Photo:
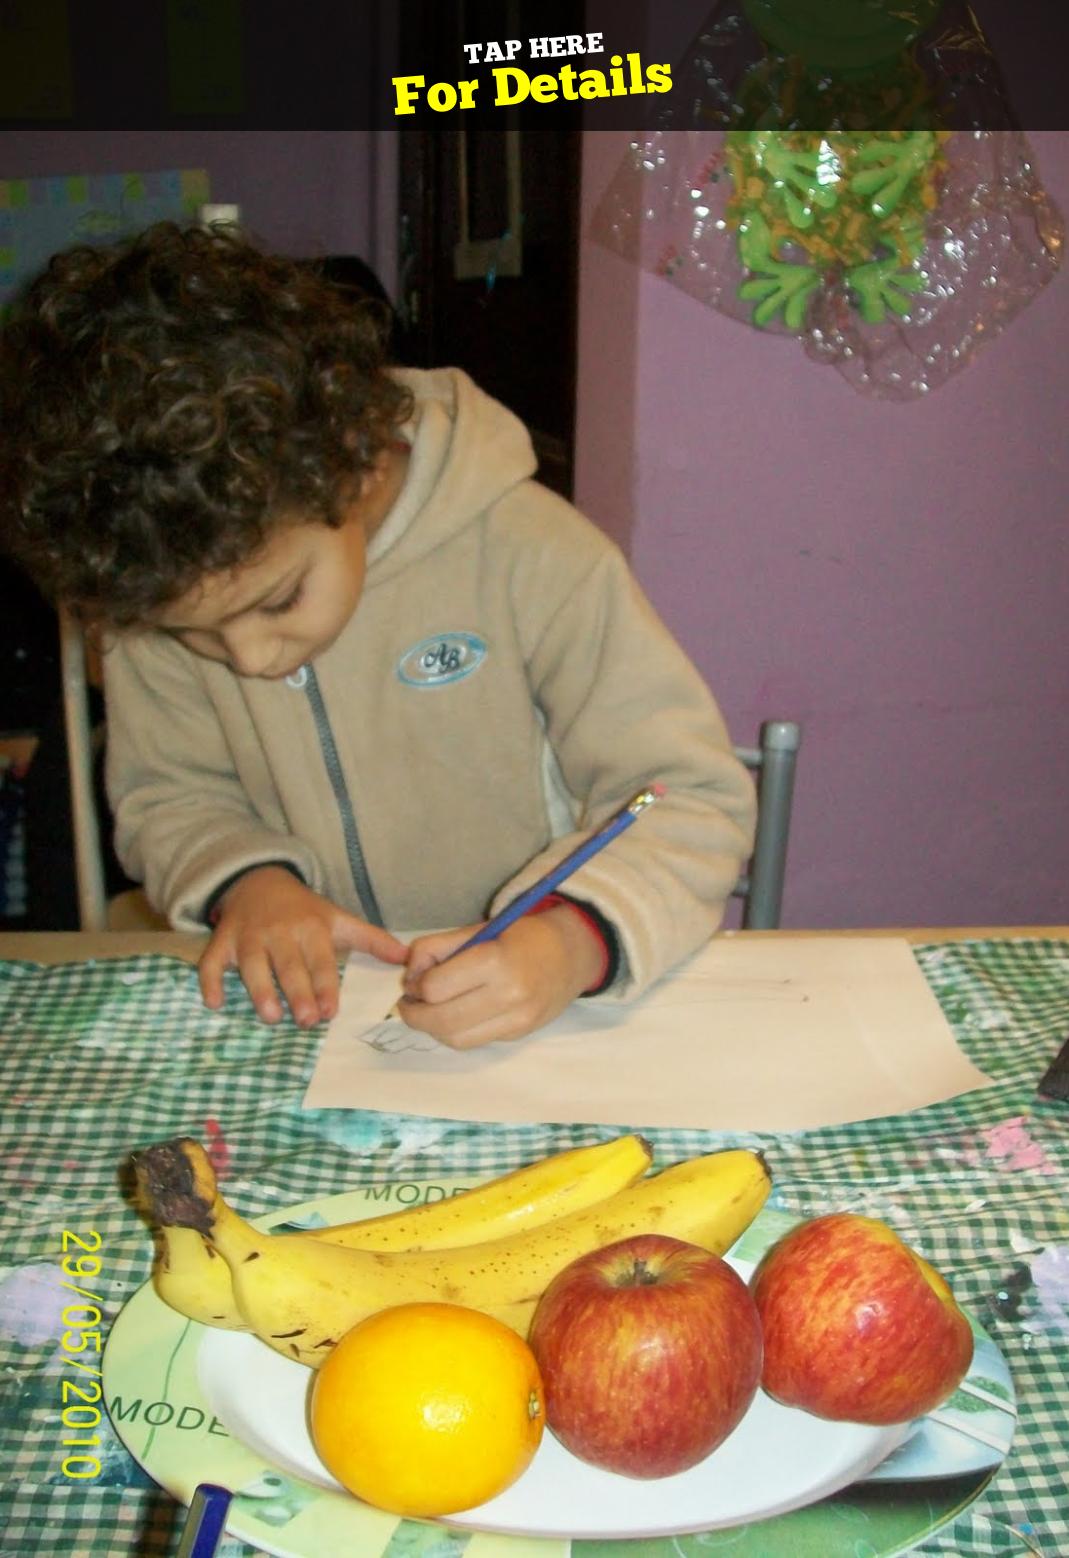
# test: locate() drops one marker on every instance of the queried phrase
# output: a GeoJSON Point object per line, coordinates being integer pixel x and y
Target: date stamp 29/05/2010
{"type": "Point", "coordinates": [81, 1347]}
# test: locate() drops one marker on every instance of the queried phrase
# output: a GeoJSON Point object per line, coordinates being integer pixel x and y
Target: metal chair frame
{"type": "Point", "coordinates": [88, 857]}
{"type": "Point", "coordinates": [773, 763]}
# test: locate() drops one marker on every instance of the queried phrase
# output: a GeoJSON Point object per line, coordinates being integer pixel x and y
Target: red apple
{"type": "Point", "coordinates": [857, 1326]}
{"type": "Point", "coordinates": [650, 1352]}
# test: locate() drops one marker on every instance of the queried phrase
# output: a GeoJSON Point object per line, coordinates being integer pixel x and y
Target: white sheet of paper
{"type": "Point", "coordinates": [761, 1035]}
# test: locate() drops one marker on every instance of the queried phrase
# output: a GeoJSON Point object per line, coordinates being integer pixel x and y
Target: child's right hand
{"type": "Point", "coordinates": [273, 928]}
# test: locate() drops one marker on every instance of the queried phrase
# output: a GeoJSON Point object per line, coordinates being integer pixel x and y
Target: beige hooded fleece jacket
{"type": "Point", "coordinates": [501, 689]}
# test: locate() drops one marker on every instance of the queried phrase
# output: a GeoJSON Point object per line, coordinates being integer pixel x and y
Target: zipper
{"type": "Point", "coordinates": [365, 893]}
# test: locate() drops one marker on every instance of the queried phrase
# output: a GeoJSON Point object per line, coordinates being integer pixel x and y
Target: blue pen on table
{"type": "Point", "coordinates": [559, 873]}
{"type": "Point", "coordinates": [205, 1522]}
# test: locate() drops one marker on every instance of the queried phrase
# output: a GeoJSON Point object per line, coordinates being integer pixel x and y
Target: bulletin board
{"type": "Point", "coordinates": [39, 217]}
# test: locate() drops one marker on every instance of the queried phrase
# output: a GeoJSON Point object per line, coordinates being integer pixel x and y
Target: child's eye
{"type": "Point", "coordinates": [277, 608]}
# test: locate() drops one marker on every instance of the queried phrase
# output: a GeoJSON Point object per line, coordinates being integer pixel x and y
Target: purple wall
{"type": "Point", "coordinates": [894, 576]}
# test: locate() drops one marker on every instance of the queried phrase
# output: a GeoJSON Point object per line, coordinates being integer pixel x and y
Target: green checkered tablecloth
{"type": "Point", "coordinates": [104, 1057]}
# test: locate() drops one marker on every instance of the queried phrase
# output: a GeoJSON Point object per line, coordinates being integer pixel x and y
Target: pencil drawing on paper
{"type": "Point", "coordinates": [394, 1038]}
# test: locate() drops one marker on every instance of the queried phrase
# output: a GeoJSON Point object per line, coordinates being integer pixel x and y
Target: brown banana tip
{"type": "Point", "coordinates": [166, 1179]}
{"type": "Point", "coordinates": [758, 1153]}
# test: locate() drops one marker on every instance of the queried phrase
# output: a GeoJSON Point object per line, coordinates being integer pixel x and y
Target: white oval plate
{"type": "Point", "coordinates": [193, 1404]}
{"type": "Point", "coordinates": [777, 1459]}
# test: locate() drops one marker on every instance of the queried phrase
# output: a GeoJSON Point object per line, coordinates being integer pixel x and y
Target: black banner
{"type": "Point", "coordinates": [532, 64]}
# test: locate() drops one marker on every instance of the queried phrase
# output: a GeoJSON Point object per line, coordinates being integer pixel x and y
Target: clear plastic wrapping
{"type": "Point", "coordinates": [893, 255]}
{"type": "Point", "coordinates": [840, 65]}
{"type": "Point", "coordinates": [894, 242]}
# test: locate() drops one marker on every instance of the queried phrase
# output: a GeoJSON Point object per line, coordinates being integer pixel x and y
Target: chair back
{"type": "Point", "coordinates": [773, 764]}
{"type": "Point", "coordinates": [88, 858]}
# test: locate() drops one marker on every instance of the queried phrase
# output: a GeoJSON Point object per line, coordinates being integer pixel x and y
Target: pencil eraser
{"type": "Point", "coordinates": [658, 790]}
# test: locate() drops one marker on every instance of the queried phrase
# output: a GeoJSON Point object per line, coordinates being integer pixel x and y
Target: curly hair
{"type": "Point", "coordinates": [167, 402]}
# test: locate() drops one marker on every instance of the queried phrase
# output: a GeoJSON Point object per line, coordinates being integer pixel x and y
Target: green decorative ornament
{"type": "Point", "coordinates": [801, 179]}
{"type": "Point", "coordinates": [819, 207]}
{"type": "Point", "coordinates": [840, 35]}
{"type": "Point", "coordinates": [774, 287]}
{"type": "Point", "coordinates": [844, 64]}
{"type": "Point", "coordinates": [889, 167]}
{"type": "Point", "coordinates": [883, 285]}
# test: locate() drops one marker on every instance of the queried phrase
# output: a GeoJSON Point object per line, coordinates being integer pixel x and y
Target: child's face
{"type": "Point", "coordinates": [282, 609]}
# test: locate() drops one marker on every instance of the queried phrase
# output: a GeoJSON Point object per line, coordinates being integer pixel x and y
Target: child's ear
{"type": "Point", "coordinates": [368, 478]}
{"type": "Point", "coordinates": [375, 473]}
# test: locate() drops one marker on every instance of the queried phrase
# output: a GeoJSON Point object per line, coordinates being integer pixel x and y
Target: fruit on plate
{"type": "Point", "coordinates": [190, 1277]}
{"type": "Point", "coordinates": [301, 1295]}
{"type": "Point", "coordinates": [427, 1409]}
{"type": "Point", "coordinates": [650, 1352]}
{"type": "Point", "coordinates": [857, 1326]}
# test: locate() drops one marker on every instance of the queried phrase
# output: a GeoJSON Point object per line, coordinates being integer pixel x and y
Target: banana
{"type": "Point", "coordinates": [301, 1295]}
{"type": "Point", "coordinates": [551, 1187]}
{"type": "Point", "coordinates": [190, 1277]}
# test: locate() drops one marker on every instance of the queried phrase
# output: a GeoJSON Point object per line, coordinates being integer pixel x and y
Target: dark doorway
{"type": "Point", "coordinates": [490, 238]}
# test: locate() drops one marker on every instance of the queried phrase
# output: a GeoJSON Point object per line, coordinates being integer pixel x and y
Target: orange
{"type": "Point", "coordinates": [425, 1409]}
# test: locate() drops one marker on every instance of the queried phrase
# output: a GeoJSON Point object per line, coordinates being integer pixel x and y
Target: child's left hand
{"type": "Point", "coordinates": [500, 989]}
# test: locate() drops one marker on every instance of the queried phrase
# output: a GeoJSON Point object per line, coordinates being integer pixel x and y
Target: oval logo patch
{"type": "Point", "coordinates": [447, 657]}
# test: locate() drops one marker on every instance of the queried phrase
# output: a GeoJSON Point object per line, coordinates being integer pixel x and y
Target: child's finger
{"type": "Point", "coordinates": [467, 1011]}
{"type": "Point", "coordinates": [468, 1020]}
{"type": "Point", "coordinates": [448, 978]}
{"type": "Point", "coordinates": [325, 984]}
{"type": "Point", "coordinates": [259, 981]}
{"type": "Point", "coordinates": [427, 951]}
{"type": "Point", "coordinates": [350, 931]}
{"type": "Point", "coordinates": [214, 961]}
{"type": "Point", "coordinates": [291, 971]}
{"type": "Point", "coordinates": [322, 971]}
{"type": "Point", "coordinates": [419, 961]}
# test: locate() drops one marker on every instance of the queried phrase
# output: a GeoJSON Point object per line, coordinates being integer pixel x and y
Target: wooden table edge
{"type": "Point", "coordinates": [81, 946]}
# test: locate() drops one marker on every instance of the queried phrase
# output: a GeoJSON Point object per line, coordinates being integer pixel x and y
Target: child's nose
{"type": "Point", "coordinates": [249, 651]}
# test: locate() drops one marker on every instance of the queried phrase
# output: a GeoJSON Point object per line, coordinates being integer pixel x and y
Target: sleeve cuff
{"type": "Point", "coordinates": [212, 909]}
{"type": "Point", "coordinates": [599, 926]}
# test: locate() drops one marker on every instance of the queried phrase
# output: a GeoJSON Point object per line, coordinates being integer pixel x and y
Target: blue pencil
{"type": "Point", "coordinates": [205, 1522]}
{"type": "Point", "coordinates": [560, 872]}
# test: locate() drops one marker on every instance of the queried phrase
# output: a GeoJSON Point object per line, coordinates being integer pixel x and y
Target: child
{"type": "Point", "coordinates": [362, 671]}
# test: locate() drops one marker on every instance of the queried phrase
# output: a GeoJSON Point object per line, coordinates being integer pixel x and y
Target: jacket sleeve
{"type": "Point", "coordinates": [183, 823]}
{"type": "Point", "coordinates": [624, 707]}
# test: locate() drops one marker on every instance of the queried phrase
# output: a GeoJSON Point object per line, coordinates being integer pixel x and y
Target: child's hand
{"type": "Point", "coordinates": [500, 989]}
{"type": "Point", "coordinates": [272, 928]}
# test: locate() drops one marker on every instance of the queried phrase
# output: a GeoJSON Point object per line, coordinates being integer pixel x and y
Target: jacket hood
{"type": "Point", "coordinates": [447, 486]}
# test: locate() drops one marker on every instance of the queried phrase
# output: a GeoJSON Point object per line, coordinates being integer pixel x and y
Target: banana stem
{"type": "Point", "coordinates": [177, 1184]}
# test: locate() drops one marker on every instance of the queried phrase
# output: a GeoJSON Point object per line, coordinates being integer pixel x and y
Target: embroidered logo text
{"type": "Point", "coordinates": [444, 658]}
